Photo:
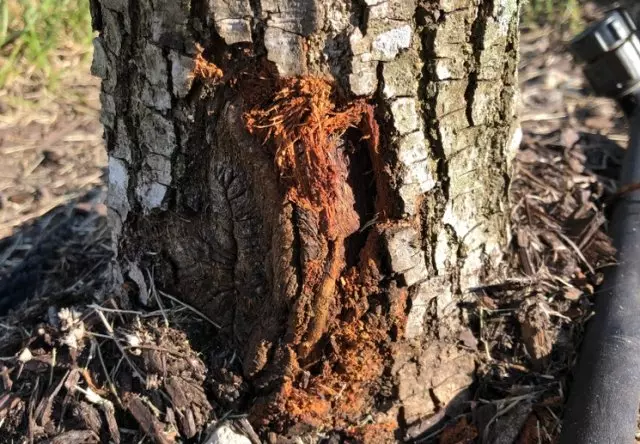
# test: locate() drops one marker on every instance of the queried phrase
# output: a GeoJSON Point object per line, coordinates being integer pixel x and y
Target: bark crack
{"type": "Point", "coordinates": [428, 95]}
{"type": "Point", "coordinates": [478, 31]}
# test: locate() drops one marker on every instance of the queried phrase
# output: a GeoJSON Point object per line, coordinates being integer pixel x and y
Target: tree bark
{"type": "Point", "coordinates": [324, 179]}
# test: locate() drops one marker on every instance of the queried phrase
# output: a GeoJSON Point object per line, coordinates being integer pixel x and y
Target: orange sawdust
{"type": "Point", "coordinates": [304, 124]}
{"type": "Point", "coordinates": [344, 388]}
{"type": "Point", "coordinates": [358, 360]}
{"type": "Point", "coordinates": [462, 432]}
{"type": "Point", "coordinates": [377, 433]}
{"type": "Point", "coordinates": [305, 407]}
{"type": "Point", "coordinates": [204, 69]}
{"type": "Point", "coordinates": [358, 366]}
{"type": "Point", "coordinates": [351, 371]}
{"type": "Point", "coordinates": [301, 121]}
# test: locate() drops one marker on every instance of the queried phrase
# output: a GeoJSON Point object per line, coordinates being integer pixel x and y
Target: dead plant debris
{"type": "Point", "coordinates": [106, 372]}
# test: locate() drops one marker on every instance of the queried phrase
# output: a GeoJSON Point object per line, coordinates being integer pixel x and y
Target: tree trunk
{"type": "Point", "coordinates": [324, 179]}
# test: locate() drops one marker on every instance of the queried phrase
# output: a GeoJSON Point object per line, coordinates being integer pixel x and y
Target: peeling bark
{"type": "Point", "coordinates": [337, 307]}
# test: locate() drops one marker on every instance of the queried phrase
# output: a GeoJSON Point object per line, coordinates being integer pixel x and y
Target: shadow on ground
{"type": "Point", "coordinates": [59, 257]}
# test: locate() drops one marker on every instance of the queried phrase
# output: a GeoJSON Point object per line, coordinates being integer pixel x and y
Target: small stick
{"type": "Point", "coordinates": [196, 311]}
{"type": "Point", "coordinates": [577, 250]}
{"type": "Point", "coordinates": [112, 387]}
{"type": "Point", "coordinates": [53, 364]}
{"type": "Point", "coordinates": [103, 319]}
{"type": "Point", "coordinates": [157, 298]}
{"type": "Point", "coordinates": [135, 369]}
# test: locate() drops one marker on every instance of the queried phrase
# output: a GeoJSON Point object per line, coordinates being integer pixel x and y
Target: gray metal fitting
{"type": "Point", "coordinates": [611, 50]}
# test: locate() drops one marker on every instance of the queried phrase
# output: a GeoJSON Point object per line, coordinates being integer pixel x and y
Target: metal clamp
{"type": "Point", "coordinates": [611, 50]}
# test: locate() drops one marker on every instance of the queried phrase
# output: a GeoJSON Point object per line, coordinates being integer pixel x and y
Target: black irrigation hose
{"type": "Point", "coordinates": [605, 396]}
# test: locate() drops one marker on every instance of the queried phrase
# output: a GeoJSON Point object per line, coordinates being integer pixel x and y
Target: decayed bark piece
{"type": "Point", "coordinates": [148, 421]}
{"type": "Point", "coordinates": [76, 437]}
{"type": "Point", "coordinates": [174, 379]}
{"type": "Point", "coordinates": [88, 416]}
{"type": "Point", "coordinates": [322, 179]}
{"type": "Point", "coordinates": [538, 332]}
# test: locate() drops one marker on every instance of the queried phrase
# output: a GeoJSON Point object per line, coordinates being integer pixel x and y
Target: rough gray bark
{"type": "Point", "coordinates": [423, 216]}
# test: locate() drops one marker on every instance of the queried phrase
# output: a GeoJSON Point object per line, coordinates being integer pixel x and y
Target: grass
{"type": "Point", "coordinates": [36, 36]}
{"type": "Point", "coordinates": [553, 12]}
